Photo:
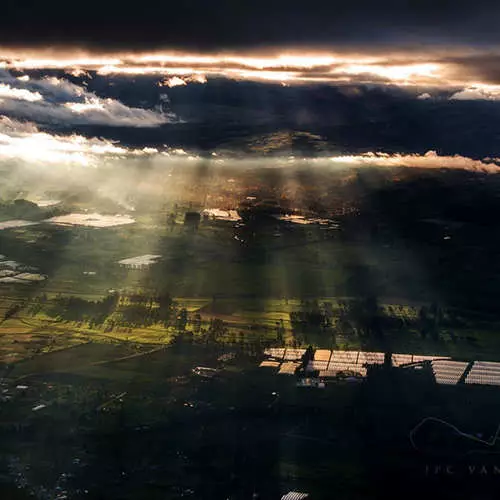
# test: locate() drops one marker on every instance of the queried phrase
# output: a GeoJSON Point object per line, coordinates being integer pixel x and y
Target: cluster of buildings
{"type": "Point", "coordinates": [331, 363]}
{"type": "Point", "coordinates": [324, 364]}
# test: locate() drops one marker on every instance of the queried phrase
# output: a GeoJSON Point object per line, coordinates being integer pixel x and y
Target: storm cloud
{"type": "Point", "coordinates": [226, 25]}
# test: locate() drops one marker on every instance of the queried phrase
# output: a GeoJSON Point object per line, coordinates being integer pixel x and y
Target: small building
{"type": "Point", "coordinates": [269, 364]}
{"type": "Point", "coordinates": [288, 368]}
{"type": "Point", "coordinates": [295, 495]}
{"type": "Point", "coordinates": [140, 262]}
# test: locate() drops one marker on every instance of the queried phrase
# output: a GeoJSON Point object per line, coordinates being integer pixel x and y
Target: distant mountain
{"type": "Point", "coordinates": [283, 142]}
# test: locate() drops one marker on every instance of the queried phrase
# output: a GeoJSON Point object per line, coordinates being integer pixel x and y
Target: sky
{"type": "Point", "coordinates": [377, 81]}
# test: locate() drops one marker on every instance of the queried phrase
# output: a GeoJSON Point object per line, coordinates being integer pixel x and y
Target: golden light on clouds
{"type": "Point", "coordinates": [457, 70]}
{"type": "Point", "coordinates": [279, 67]}
{"type": "Point", "coordinates": [58, 63]}
{"type": "Point", "coordinates": [406, 73]}
{"type": "Point", "coordinates": [175, 81]}
{"type": "Point", "coordinates": [428, 160]}
{"type": "Point", "coordinates": [23, 141]}
{"type": "Point", "coordinates": [478, 91]}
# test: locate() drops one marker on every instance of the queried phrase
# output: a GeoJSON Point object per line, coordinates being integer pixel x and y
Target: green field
{"type": "Point", "coordinates": [247, 321]}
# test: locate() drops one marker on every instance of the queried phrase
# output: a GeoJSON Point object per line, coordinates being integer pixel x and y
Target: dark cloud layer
{"type": "Point", "coordinates": [226, 24]}
{"type": "Point", "coordinates": [481, 67]}
{"type": "Point", "coordinates": [224, 114]}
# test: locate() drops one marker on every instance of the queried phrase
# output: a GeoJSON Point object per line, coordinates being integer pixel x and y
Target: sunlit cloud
{"type": "Point", "coordinates": [176, 81]}
{"type": "Point", "coordinates": [280, 70]}
{"type": "Point", "coordinates": [25, 142]}
{"type": "Point", "coordinates": [478, 92]}
{"type": "Point", "coordinates": [85, 107]}
{"type": "Point", "coordinates": [19, 94]}
{"type": "Point", "coordinates": [59, 63]}
{"type": "Point", "coordinates": [279, 61]}
{"type": "Point", "coordinates": [404, 73]}
{"type": "Point", "coordinates": [77, 72]}
{"type": "Point", "coordinates": [429, 160]}
{"type": "Point", "coordinates": [155, 70]}
{"type": "Point", "coordinates": [454, 69]}
{"type": "Point", "coordinates": [290, 67]}
{"type": "Point", "coordinates": [54, 100]}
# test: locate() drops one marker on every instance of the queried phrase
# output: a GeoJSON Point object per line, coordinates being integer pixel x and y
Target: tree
{"type": "Point", "coordinates": [429, 320]}
{"type": "Point", "coordinates": [217, 329]}
{"type": "Point", "coordinates": [197, 323]}
{"type": "Point", "coordinates": [182, 318]}
{"type": "Point", "coordinates": [307, 357]}
{"type": "Point", "coordinates": [165, 307]}
{"type": "Point", "coordinates": [171, 221]}
{"type": "Point", "coordinates": [366, 316]}
{"type": "Point", "coordinates": [280, 331]}
{"type": "Point", "coordinates": [12, 311]}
